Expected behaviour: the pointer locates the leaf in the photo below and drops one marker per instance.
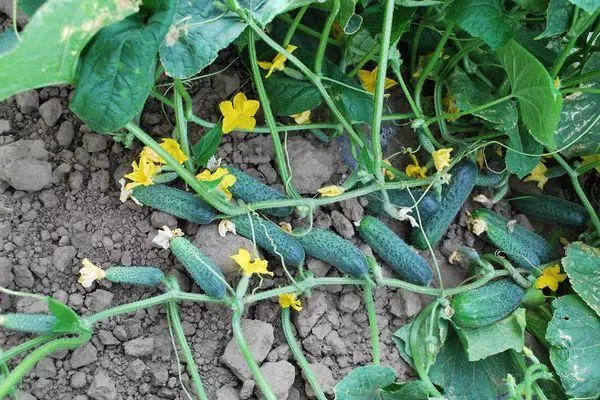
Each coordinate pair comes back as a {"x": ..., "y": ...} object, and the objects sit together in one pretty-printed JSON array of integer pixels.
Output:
[
  {"x": 539, "y": 101},
  {"x": 117, "y": 70},
  {"x": 579, "y": 126},
  {"x": 573, "y": 335},
  {"x": 364, "y": 383},
  {"x": 503, "y": 335},
  {"x": 413, "y": 390},
  {"x": 49, "y": 48},
  {"x": 417, "y": 3},
  {"x": 373, "y": 20},
  {"x": 486, "y": 19},
  {"x": 67, "y": 320},
  {"x": 534, "y": 6},
  {"x": 558, "y": 18},
  {"x": 588, "y": 5},
  {"x": 349, "y": 21},
  {"x": 582, "y": 265},
  {"x": 521, "y": 144},
  {"x": 207, "y": 146},
  {"x": 29, "y": 7}
]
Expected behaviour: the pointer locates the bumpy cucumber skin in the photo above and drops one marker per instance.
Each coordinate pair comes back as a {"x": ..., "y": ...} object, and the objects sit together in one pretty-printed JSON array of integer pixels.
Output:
[
  {"x": 487, "y": 304},
  {"x": 39, "y": 324},
  {"x": 488, "y": 178},
  {"x": 145, "y": 276},
  {"x": 335, "y": 250},
  {"x": 552, "y": 209},
  {"x": 454, "y": 195},
  {"x": 251, "y": 190},
  {"x": 176, "y": 202},
  {"x": 401, "y": 198},
  {"x": 202, "y": 270},
  {"x": 274, "y": 241},
  {"x": 395, "y": 252}
]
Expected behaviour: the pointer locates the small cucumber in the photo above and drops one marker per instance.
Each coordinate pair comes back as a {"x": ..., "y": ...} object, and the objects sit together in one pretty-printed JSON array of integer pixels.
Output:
[
  {"x": 335, "y": 250},
  {"x": 454, "y": 195},
  {"x": 489, "y": 178},
  {"x": 145, "y": 276},
  {"x": 270, "y": 238},
  {"x": 251, "y": 190},
  {"x": 536, "y": 323},
  {"x": 40, "y": 324},
  {"x": 176, "y": 202},
  {"x": 401, "y": 198},
  {"x": 395, "y": 252},
  {"x": 533, "y": 298},
  {"x": 553, "y": 210},
  {"x": 488, "y": 304},
  {"x": 202, "y": 270}
]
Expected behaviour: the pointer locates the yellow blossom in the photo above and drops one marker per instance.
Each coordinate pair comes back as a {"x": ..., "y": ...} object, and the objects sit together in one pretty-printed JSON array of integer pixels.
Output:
[
  {"x": 248, "y": 266},
  {"x": 336, "y": 30},
  {"x": 441, "y": 158},
  {"x": 239, "y": 114},
  {"x": 480, "y": 158},
  {"x": 90, "y": 273},
  {"x": 171, "y": 146},
  {"x": 368, "y": 80},
  {"x": 278, "y": 62},
  {"x": 451, "y": 107},
  {"x": 556, "y": 83},
  {"x": 227, "y": 180},
  {"x": 290, "y": 300},
  {"x": 538, "y": 175},
  {"x": 286, "y": 227},
  {"x": 415, "y": 170},
  {"x": 142, "y": 174},
  {"x": 550, "y": 278},
  {"x": 331, "y": 191},
  {"x": 591, "y": 159},
  {"x": 389, "y": 174},
  {"x": 302, "y": 118}
]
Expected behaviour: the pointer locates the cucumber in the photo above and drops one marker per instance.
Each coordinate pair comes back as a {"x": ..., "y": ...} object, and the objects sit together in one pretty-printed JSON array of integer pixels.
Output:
[
  {"x": 553, "y": 210},
  {"x": 335, "y": 250},
  {"x": 536, "y": 323},
  {"x": 251, "y": 190},
  {"x": 395, "y": 252},
  {"x": 489, "y": 178},
  {"x": 488, "y": 304},
  {"x": 454, "y": 195},
  {"x": 202, "y": 270},
  {"x": 270, "y": 238},
  {"x": 145, "y": 276},
  {"x": 533, "y": 298},
  {"x": 40, "y": 324},
  {"x": 176, "y": 202},
  {"x": 401, "y": 198}
]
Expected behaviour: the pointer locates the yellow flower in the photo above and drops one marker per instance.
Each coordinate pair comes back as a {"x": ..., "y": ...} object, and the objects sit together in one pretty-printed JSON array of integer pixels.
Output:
[
  {"x": 239, "y": 114},
  {"x": 286, "y": 227},
  {"x": 278, "y": 62},
  {"x": 591, "y": 159},
  {"x": 480, "y": 158},
  {"x": 389, "y": 174},
  {"x": 441, "y": 158},
  {"x": 248, "y": 266},
  {"x": 451, "y": 107},
  {"x": 368, "y": 80},
  {"x": 90, "y": 273},
  {"x": 538, "y": 175},
  {"x": 336, "y": 30},
  {"x": 227, "y": 180},
  {"x": 142, "y": 174},
  {"x": 556, "y": 83},
  {"x": 302, "y": 118},
  {"x": 550, "y": 278},
  {"x": 331, "y": 191},
  {"x": 414, "y": 170},
  {"x": 289, "y": 300},
  {"x": 171, "y": 146}
]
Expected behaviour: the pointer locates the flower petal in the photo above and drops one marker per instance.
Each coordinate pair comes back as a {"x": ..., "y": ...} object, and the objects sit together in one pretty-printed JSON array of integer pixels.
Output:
[
  {"x": 238, "y": 101},
  {"x": 250, "y": 108},
  {"x": 226, "y": 108}
]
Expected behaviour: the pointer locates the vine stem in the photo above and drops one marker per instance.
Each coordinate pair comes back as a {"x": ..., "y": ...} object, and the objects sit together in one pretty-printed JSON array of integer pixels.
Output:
[
  {"x": 475, "y": 109},
  {"x": 370, "y": 307},
  {"x": 335, "y": 8},
  {"x": 294, "y": 25},
  {"x": 309, "y": 31},
  {"x": 286, "y": 324},
  {"x": 23, "y": 347},
  {"x": 181, "y": 122}
]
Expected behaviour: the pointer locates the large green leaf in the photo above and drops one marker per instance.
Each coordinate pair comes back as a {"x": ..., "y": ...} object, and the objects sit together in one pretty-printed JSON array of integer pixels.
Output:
[
  {"x": 523, "y": 153},
  {"x": 573, "y": 335},
  {"x": 579, "y": 126},
  {"x": 413, "y": 390},
  {"x": 29, "y": 7},
  {"x": 364, "y": 383},
  {"x": 207, "y": 146},
  {"x": 503, "y": 335},
  {"x": 486, "y": 19},
  {"x": 588, "y": 5},
  {"x": 582, "y": 265},
  {"x": 539, "y": 101},
  {"x": 50, "y": 44},
  {"x": 117, "y": 70},
  {"x": 558, "y": 18}
]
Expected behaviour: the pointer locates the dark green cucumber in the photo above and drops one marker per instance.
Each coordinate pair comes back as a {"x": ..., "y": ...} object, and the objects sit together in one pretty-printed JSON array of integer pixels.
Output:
[
  {"x": 453, "y": 196},
  {"x": 552, "y": 209},
  {"x": 270, "y": 238},
  {"x": 401, "y": 198},
  {"x": 202, "y": 270},
  {"x": 536, "y": 323},
  {"x": 488, "y": 304},
  {"x": 489, "y": 178},
  {"x": 395, "y": 252},
  {"x": 31, "y": 323},
  {"x": 335, "y": 250},
  {"x": 145, "y": 276},
  {"x": 251, "y": 190},
  {"x": 176, "y": 202}
]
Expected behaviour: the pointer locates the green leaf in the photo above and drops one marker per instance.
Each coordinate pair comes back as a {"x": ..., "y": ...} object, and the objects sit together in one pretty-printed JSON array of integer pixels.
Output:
[
  {"x": 117, "y": 70},
  {"x": 539, "y": 101},
  {"x": 417, "y": 3},
  {"x": 588, "y": 5},
  {"x": 503, "y": 335},
  {"x": 364, "y": 383},
  {"x": 582, "y": 265},
  {"x": 413, "y": 390},
  {"x": 486, "y": 19},
  {"x": 521, "y": 144},
  {"x": 29, "y": 7},
  {"x": 349, "y": 21},
  {"x": 207, "y": 146},
  {"x": 558, "y": 18},
  {"x": 573, "y": 334},
  {"x": 49, "y": 48},
  {"x": 579, "y": 126},
  {"x": 535, "y": 6},
  {"x": 67, "y": 320}
]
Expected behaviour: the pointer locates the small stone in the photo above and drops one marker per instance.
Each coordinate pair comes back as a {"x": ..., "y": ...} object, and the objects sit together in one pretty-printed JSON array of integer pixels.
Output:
[
  {"x": 140, "y": 347},
  {"x": 98, "y": 300},
  {"x": 48, "y": 198},
  {"x": 30, "y": 305},
  {"x": 100, "y": 180},
  {"x": 159, "y": 219},
  {"x": 24, "y": 395},
  {"x": 84, "y": 355},
  {"x": 78, "y": 380},
  {"x": 63, "y": 257},
  {"x": 352, "y": 209},
  {"x": 4, "y": 126},
  {"x": 65, "y": 134},
  {"x": 227, "y": 393},
  {"x": 318, "y": 267},
  {"x": 75, "y": 180},
  {"x": 247, "y": 389},
  {"x": 314, "y": 307},
  {"x": 103, "y": 387},
  {"x": 280, "y": 376},
  {"x": 6, "y": 275},
  {"x": 349, "y": 302},
  {"x": 324, "y": 378},
  {"x": 93, "y": 143},
  {"x": 336, "y": 343},
  {"x": 27, "y": 174},
  {"x": 159, "y": 374},
  {"x": 259, "y": 337},
  {"x": 136, "y": 369},
  {"x": 313, "y": 167},
  {"x": 342, "y": 225},
  {"x": 23, "y": 276},
  {"x": 107, "y": 338},
  {"x": 51, "y": 111},
  {"x": 28, "y": 101},
  {"x": 45, "y": 368},
  {"x": 412, "y": 303}
]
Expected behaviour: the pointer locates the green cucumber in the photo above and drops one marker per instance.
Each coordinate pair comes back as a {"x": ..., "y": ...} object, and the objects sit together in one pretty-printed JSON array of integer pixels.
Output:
[
  {"x": 145, "y": 276},
  {"x": 553, "y": 210},
  {"x": 178, "y": 203},
  {"x": 395, "y": 252},
  {"x": 270, "y": 238},
  {"x": 533, "y": 298},
  {"x": 402, "y": 198},
  {"x": 335, "y": 250},
  {"x": 536, "y": 323},
  {"x": 489, "y": 178},
  {"x": 251, "y": 190},
  {"x": 202, "y": 270},
  {"x": 488, "y": 304},
  {"x": 40, "y": 324},
  {"x": 454, "y": 195}
]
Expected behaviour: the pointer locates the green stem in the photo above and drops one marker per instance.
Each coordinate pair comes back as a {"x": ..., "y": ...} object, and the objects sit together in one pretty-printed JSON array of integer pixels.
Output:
[
  {"x": 581, "y": 90},
  {"x": 421, "y": 365},
  {"x": 309, "y": 31},
  {"x": 365, "y": 59},
  {"x": 294, "y": 25},
  {"x": 181, "y": 125},
  {"x": 37, "y": 341},
  {"x": 469, "y": 111},
  {"x": 588, "y": 76},
  {"x": 335, "y": 7},
  {"x": 370, "y": 307}
]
